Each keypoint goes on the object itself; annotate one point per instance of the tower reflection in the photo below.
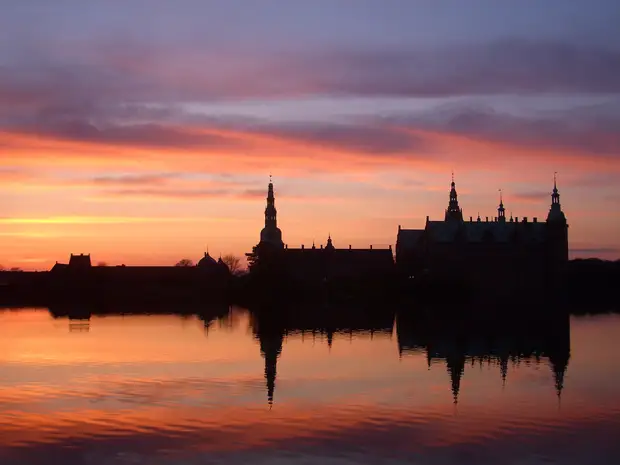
(271, 325)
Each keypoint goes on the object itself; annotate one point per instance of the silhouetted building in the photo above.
(78, 279)
(497, 253)
(314, 264)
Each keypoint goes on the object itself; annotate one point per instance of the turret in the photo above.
(557, 230)
(453, 212)
(501, 211)
(556, 215)
(330, 245)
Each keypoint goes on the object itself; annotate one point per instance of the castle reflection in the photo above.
(454, 344)
(498, 343)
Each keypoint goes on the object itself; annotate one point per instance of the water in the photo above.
(170, 389)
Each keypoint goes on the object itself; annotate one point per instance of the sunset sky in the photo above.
(144, 131)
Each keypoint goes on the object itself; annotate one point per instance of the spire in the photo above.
(556, 214)
(270, 232)
(501, 211)
(453, 212)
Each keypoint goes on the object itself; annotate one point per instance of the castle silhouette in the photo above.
(498, 251)
(501, 254)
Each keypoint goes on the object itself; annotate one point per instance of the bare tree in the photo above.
(185, 262)
(232, 262)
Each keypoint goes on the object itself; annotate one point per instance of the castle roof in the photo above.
(474, 232)
(207, 260)
(408, 238)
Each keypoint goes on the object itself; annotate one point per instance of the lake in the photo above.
(173, 389)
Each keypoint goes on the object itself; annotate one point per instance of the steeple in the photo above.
(556, 215)
(270, 233)
(453, 212)
(271, 212)
(501, 212)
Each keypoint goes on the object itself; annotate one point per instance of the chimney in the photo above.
(399, 227)
(427, 218)
(370, 246)
(516, 219)
(525, 219)
(535, 220)
(471, 218)
(302, 247)
(349, 246)
(390, 246)
(487, 219)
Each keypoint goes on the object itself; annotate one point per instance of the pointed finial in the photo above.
(555, 179)
(452, 175)
(270, 178)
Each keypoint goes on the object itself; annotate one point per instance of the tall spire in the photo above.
(501, 211)
(270, 232)
(453, 212)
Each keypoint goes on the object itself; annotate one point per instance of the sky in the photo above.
(143, 132)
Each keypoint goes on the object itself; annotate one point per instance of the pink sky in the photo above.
(144, 142)
(154, 205)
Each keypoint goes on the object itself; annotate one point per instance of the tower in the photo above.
(501, 212)
(453, 212)
(557, 229)
(271, 234)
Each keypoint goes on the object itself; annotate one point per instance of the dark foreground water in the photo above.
(172, 390)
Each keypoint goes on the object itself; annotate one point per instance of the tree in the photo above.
(185, 262)
(232, 262)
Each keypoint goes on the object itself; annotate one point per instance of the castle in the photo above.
(507, 253)
(499, 253)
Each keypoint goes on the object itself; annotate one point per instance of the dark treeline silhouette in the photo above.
(591, 285)
(587, 286)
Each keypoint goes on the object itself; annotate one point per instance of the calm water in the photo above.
(172, 389)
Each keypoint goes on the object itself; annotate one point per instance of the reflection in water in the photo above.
(459, 346)
(358, 385)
